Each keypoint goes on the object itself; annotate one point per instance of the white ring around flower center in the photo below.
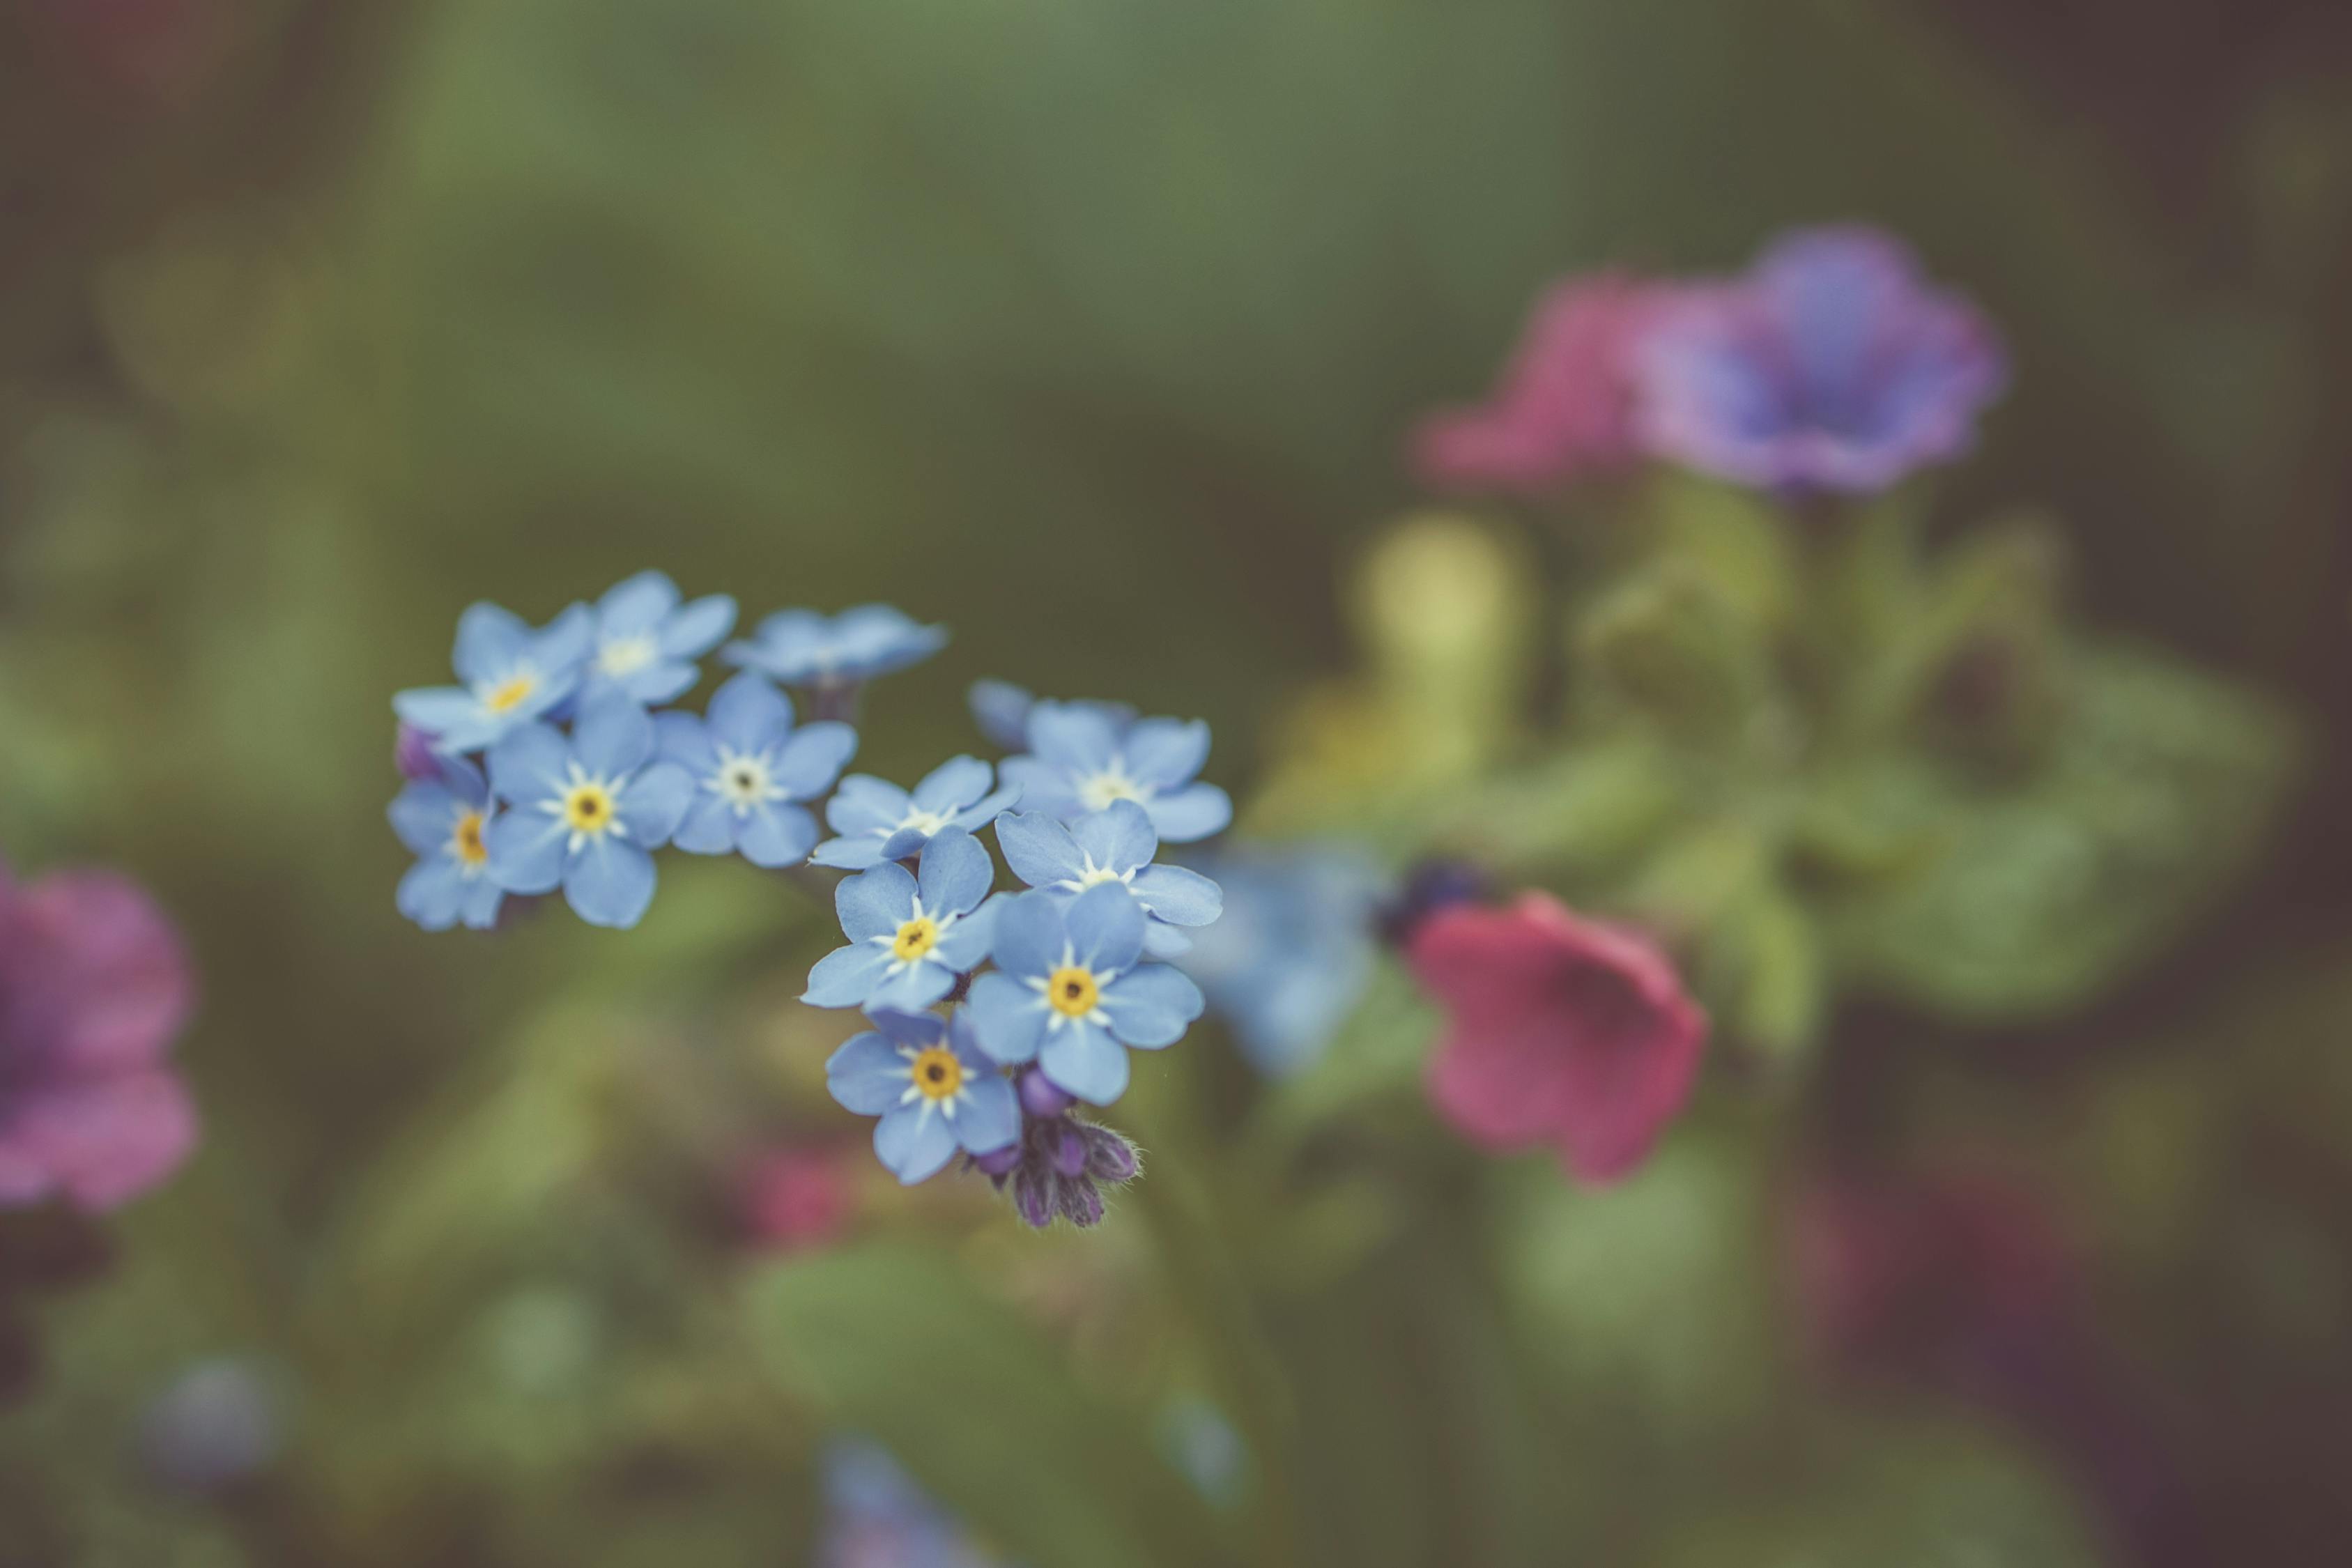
(626, 655)
(1098, 792)
(744, 780)
(925, 823)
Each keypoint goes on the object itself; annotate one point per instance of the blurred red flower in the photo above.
(1560, 1030)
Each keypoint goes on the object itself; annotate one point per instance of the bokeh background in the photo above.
(1092, 328)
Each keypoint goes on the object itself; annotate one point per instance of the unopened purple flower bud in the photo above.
(1080, 1204)
(1040, 1096)
(999, 1162)
(1067, 1148)
(1110, 1157)
(1033, 1197)
(412, 754)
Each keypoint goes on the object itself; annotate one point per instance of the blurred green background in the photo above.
(1091, 328)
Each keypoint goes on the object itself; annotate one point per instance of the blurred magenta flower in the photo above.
(94, 986)
(1559, 1029)
(792, 1199)
(1830, 366)
(1563, 410)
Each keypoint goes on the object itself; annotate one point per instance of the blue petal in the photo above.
(433, 894)
(423, 815)
(1002, 711)
(1191, 814)
(846, 976)
(956, 872)
(1039, 850)
(1152, 1005)
(633, 606)
(564, 642)
(806, 766)
(480, 909)
(913, 1142)
(990, 1116)
(916, 1030)
(1165, 752)
(775, 835)
(866, 1075)
(964, 945)
(875, 903)
(1161, 939)
(749, 715)
(683, 739)
(438, 710)
(613, 736)
(698, 627)
(527, 851)
(652, 803)
(529, 764)
(1008, 1018)
(848, 854)
(1081, 1059)
(664, 680)
(1073, 735)
(490, 642)
(913, 988)
(1178, 896)
(901, 844)
(708, 827)
(1106, 927)
(987, 809)
(609, 883)
(1044, 786)
(1029, 936)
(865, 804)
(1120, 838)
(953, 785)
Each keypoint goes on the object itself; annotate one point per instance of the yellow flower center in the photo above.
(511, 693)
(1072, 992)
(466, 840)
(588, 808)
(916, 938)
(938, 1074)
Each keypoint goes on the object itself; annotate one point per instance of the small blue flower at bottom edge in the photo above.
(585, 813)
(910, 936)
(750, 766)
(1112, 847)
(443, 820)
(933, 1087)
(1069, 993)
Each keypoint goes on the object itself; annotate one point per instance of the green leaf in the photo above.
(2158, 789)
(900, 1343)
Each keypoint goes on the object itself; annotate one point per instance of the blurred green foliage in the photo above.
(1091, 328)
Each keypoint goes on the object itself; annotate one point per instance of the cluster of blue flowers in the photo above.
(994, 1014)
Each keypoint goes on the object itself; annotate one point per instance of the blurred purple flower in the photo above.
(93, 987)
(1563, 409)
(1830, 366)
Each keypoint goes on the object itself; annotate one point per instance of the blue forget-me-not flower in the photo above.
(1110, 848)
(803, 648)
(934, 1089)
(878, 821)
(585, 814)
(512, 676)
(1291, 955)
(647, 642)
(442, 819)
(750, 765)
(1069, 992)
(1080, 760)
(909, 935)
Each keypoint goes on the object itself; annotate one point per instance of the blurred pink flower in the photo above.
(1564, 408)
(1559, 1029)
(94, 986)
(792, 1199)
